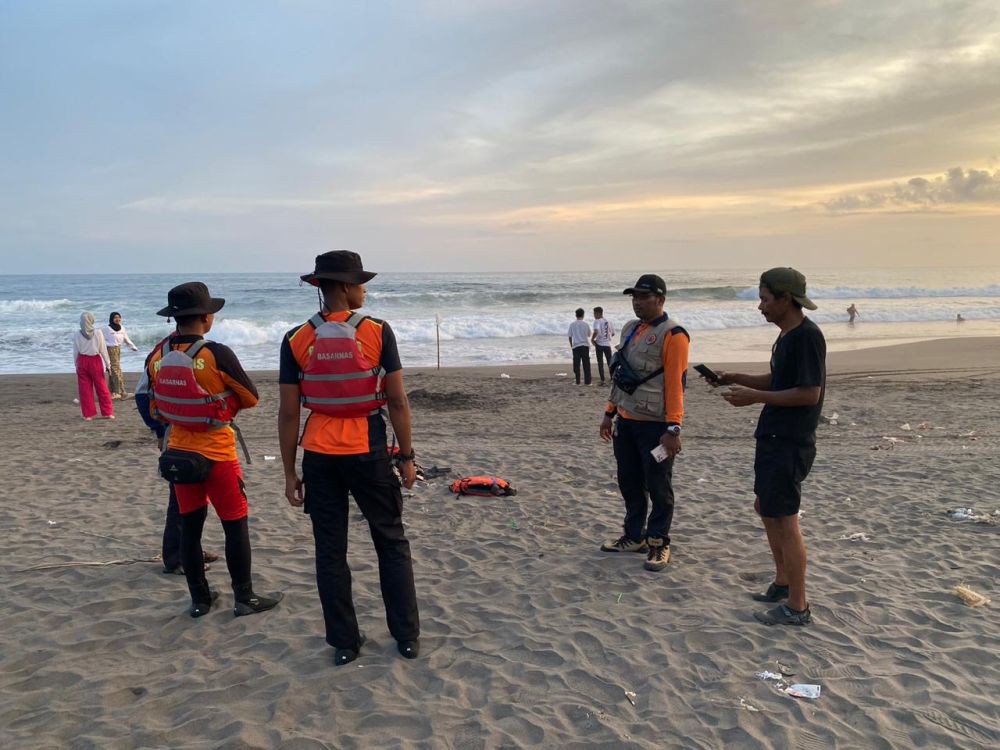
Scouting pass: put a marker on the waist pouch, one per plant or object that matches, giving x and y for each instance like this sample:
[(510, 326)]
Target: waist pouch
[(624, 376), (184, 467)]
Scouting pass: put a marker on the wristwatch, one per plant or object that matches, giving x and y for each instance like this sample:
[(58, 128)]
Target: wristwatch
[(674, 429)]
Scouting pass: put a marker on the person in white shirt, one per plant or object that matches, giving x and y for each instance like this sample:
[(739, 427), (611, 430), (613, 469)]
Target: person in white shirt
[(579, 341), (90, 354), (114, 336), (604, 334)]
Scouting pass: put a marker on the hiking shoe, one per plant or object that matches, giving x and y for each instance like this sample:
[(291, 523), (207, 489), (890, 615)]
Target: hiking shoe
[(774, 593), (658, 555), (784, 615), (249, 603), (344, 656), (409, 649), (623, 544)]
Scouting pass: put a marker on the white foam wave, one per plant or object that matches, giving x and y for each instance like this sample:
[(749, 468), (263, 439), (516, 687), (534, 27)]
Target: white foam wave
[(901, 292), (236, 332), (32, 305)]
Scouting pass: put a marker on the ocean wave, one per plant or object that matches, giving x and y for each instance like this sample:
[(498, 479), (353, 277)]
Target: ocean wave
[(33, 305), (891, 292), (237, 332)]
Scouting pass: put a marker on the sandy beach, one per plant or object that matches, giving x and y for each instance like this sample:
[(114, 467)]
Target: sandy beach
[(531, 636)]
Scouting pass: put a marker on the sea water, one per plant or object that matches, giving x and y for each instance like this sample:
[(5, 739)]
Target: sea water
[(495, 319)]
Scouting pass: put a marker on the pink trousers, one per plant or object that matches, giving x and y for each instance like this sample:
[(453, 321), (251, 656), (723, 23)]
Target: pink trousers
[(90, 377)]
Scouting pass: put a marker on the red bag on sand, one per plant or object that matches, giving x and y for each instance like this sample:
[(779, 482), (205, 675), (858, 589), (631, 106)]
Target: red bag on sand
[(485, 485)]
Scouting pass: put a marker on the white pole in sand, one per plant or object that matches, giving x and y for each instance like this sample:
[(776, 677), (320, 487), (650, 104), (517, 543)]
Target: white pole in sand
[(437, 319)]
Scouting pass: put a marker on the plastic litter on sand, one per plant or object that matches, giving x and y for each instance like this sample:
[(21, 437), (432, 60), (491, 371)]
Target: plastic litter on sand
[(970, 597), (765, 675), (267, 458), (505, 376), (856, 537), (804, 691)]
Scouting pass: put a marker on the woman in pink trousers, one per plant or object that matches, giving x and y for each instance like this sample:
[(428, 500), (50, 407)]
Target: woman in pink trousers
[(90, 353)]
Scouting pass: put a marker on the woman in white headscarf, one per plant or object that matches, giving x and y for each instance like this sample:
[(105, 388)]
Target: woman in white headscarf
[(90, 353)]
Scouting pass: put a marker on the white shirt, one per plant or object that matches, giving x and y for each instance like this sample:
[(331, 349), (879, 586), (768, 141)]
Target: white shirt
[(579, 334), (94, 345), (116, 338), (605, 331)]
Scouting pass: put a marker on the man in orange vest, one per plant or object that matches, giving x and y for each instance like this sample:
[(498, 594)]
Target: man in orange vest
[(216, 371), (343, 367)]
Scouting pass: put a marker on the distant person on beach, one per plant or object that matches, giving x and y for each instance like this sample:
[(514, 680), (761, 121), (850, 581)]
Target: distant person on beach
[(852, 311), (959, 318), (115, 335), (198, 387), (792, 395), (645, 412), (579, 342), (90, 356), (604, 334), (344, 367)]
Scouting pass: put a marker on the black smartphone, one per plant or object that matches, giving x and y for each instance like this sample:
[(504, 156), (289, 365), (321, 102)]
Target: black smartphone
[(708, 373)]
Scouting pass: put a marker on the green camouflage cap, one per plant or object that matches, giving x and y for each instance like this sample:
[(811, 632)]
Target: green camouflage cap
[(788, 280)]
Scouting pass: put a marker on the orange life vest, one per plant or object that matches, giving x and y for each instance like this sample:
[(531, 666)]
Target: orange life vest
[(338, 380), (181, 400), (483, 485)]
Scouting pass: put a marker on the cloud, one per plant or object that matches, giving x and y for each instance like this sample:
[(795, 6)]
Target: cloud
[(956, 187)]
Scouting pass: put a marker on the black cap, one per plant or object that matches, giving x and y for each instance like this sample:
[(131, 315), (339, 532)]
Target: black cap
[(191, 298), (339, 265), (648, 282)]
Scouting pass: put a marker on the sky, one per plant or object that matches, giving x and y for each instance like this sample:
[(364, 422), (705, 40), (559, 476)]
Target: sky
[(142, 136)]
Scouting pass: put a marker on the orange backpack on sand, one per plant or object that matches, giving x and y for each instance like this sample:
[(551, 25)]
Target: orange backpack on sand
[(485, 485)]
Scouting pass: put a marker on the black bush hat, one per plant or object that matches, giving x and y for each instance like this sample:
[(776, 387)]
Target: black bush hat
[(339, 265), (191, 298)]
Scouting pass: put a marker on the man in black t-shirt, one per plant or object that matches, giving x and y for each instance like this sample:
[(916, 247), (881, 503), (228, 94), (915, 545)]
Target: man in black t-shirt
[(792, 395)]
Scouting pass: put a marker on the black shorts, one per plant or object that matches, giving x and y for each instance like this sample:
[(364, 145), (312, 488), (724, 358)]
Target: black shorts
[(779, 467)]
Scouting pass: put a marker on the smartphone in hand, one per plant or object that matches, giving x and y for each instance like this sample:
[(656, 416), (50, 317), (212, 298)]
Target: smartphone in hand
[(708, 373)]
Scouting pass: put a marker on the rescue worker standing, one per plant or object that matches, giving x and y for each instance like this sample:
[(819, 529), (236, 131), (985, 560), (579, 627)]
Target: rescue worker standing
[(198, 387), (645, 410), (344, 367)]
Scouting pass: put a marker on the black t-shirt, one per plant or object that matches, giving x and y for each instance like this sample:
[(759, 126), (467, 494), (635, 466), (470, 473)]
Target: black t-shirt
[(798, 359)]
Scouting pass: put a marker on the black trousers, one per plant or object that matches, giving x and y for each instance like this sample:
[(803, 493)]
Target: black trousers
[(644, 482), (581, 355), (171, 550), (328, 479), (603, 355)]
